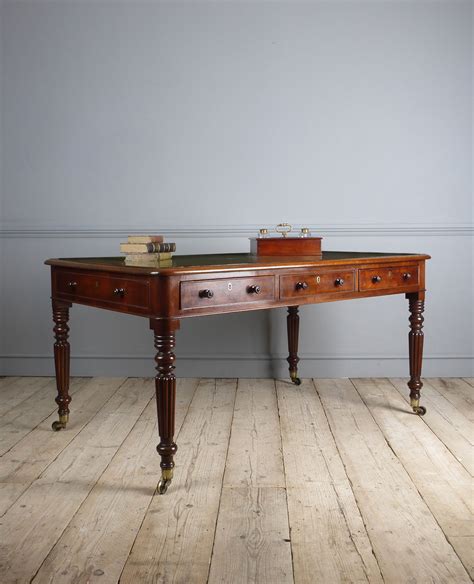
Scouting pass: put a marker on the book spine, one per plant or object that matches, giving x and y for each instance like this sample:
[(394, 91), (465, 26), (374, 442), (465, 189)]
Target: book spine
[(161, 247), (147, 247)]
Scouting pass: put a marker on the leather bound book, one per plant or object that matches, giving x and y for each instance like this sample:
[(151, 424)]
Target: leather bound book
[(150, 247), (145, 239)]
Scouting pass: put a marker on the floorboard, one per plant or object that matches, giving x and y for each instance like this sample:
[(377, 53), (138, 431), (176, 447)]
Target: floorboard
[(446, 421), (334, 481), (32, 455), (176, 538), (400, 525), (458, 392), (17, 389), (328, 537), (253, 517), (255, 457), (33, 524), (101, 534), (22, 419), (443, 483)]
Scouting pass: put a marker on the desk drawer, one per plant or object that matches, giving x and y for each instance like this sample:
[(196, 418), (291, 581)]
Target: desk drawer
[(385, 278), (204, 293), (111, 289), (316, 282)]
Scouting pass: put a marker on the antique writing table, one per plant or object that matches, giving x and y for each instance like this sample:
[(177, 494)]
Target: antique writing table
[(198, 285)]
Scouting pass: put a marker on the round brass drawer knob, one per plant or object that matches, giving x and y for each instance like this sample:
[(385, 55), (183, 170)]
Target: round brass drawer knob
[(119, 292), (376, 279), (206, 293), (339, 282), (406, 276), (254, 289), (301, 285), (72, 284)]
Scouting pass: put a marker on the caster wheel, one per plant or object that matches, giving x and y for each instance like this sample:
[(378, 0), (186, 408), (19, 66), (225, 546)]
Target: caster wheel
[(420, 410), (56, 426), (296, 381), (163, 486)]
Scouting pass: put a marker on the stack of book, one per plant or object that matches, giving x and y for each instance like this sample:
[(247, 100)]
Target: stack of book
[(148, 249)]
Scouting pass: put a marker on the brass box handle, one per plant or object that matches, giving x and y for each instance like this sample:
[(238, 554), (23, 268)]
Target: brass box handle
[(283, 228)]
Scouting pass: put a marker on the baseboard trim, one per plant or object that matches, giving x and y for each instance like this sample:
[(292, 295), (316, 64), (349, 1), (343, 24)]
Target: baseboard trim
[(240, 365), (243, 357), (244, 230)]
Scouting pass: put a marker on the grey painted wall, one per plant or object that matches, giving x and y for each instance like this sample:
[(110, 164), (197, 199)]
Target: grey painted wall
[(207, 119), (2, 264)]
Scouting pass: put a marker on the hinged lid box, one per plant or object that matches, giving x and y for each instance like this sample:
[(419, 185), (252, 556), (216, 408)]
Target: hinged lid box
[(286, 246)]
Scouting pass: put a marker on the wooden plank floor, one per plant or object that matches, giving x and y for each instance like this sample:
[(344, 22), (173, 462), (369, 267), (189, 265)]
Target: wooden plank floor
[(334, 481)]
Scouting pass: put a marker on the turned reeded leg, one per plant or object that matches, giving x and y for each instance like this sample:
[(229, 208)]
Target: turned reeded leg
[(415, 344), (293, 325), (61, 361), (165, 384)]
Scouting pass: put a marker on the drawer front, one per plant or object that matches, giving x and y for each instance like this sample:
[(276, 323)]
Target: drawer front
[(314, 283), (385, 278), (115, 290), (204, 293)]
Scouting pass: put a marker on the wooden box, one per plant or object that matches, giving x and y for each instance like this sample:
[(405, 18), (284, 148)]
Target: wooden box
[(286, 246)]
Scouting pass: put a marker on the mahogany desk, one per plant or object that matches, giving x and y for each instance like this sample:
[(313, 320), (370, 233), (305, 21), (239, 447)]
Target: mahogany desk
[(198, 285)]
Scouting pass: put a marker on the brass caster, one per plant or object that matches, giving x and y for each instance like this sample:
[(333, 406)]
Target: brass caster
[(60, 424), (163, 486), (294, 378), (165, 481), (415, 404), (420, 410)]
